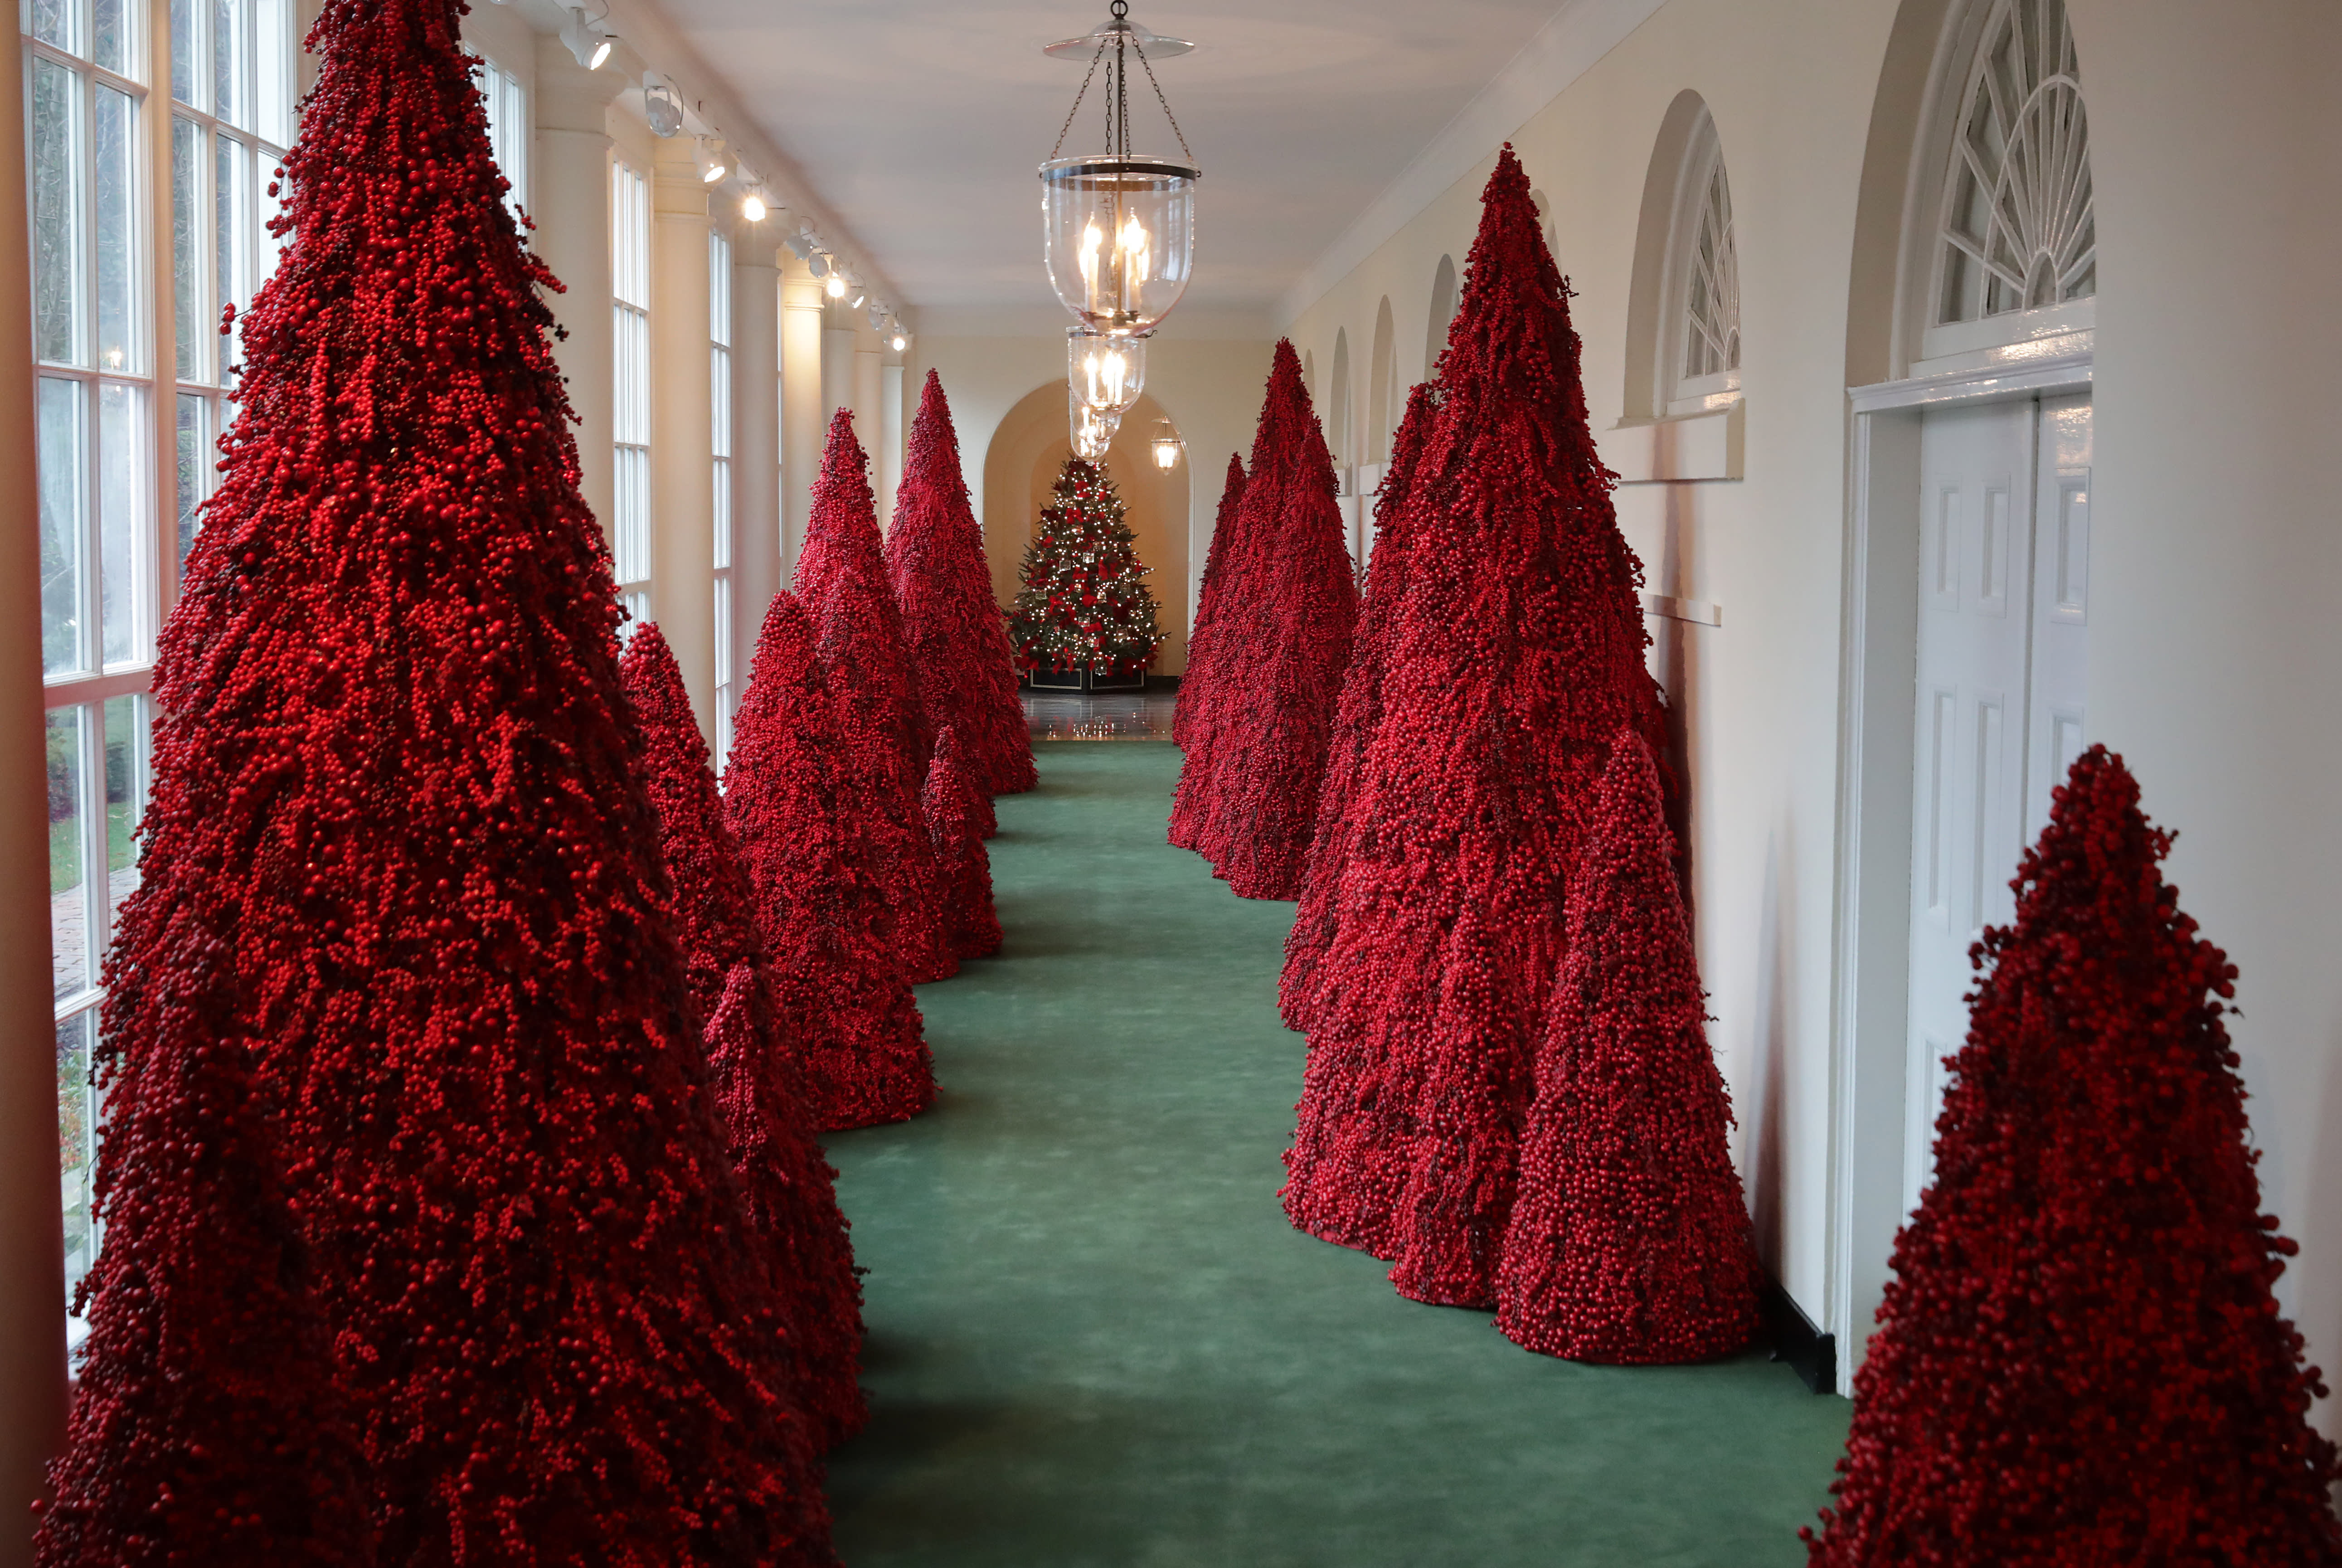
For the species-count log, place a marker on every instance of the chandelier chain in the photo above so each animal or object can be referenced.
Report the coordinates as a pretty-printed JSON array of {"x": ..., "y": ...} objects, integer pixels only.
[
  {"x": 1164, "y": 102},
  {"x": 1076, "y": 109}
]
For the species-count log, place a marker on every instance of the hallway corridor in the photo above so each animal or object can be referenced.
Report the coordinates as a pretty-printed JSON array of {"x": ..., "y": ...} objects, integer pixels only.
[{"x": 1095, "y": 1342}]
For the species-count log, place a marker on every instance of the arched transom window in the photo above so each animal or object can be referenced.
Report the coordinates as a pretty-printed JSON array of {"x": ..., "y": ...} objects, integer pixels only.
[
  {"x": 1699, "y": 360},
  {"x": 2018, "y": 229}
]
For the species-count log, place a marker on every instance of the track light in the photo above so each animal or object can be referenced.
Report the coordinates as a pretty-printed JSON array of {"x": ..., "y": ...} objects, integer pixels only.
[
  {"x": 751, "y": 205},
  {"x": 710, "y": 157},
  {"x": 898, "y": 340},
  {"x": 835, "y": 286},
  {"x": 858, "y": 299},
  {"x": 661, "y": 107},
  {"x": 587, "y": 38}
]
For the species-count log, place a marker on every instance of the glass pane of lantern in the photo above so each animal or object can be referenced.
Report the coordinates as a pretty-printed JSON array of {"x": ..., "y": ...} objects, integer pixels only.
[
  {"x": 1106, "y": 373},
  {"x": 1120, "y": 236},
  {"x": 1092, "y": 432}
]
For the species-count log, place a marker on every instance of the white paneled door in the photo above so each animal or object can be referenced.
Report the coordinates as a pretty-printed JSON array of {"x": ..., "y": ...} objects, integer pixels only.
[{"x": 2004, "y": 630}]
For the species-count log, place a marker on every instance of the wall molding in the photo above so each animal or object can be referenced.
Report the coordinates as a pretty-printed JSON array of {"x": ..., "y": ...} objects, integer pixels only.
[{"x": 1580, "y": 32}]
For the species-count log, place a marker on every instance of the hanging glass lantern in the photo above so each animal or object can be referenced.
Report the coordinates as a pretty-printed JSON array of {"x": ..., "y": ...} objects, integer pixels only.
[
  {"x": 1119, "y": 228},
  {"x": 1092, "y": 432},
  {"x": 1167, "y": 445},
  {"x": 1106, "y": 373}
]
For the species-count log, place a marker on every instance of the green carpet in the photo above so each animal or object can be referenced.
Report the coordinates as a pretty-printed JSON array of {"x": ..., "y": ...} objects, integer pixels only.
[{"x": 1094, "y": 1340}]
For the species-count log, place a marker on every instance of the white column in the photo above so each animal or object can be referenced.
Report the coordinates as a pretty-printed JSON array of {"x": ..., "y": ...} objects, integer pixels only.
[
  {"x": 683, "y": 478},
  {"x": 869, "y": 420},
  {"x": 803, "y": 411},
  {"x": 572, "y": 209},
  {"x": 32, "y": 1224},
  {"x": 756, "y": 438},
  {"x": 890, "y": 440},
  {"x": 836, "y": 373}
]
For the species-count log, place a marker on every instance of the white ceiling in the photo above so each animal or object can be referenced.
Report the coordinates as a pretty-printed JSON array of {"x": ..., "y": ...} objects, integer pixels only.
[{"x": 919, "y": 123}]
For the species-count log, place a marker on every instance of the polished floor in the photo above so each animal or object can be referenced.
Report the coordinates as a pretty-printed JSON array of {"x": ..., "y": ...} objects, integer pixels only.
[
  {"x": 1100, "y": 715},
  {"x": 1095, "y": 1342}
]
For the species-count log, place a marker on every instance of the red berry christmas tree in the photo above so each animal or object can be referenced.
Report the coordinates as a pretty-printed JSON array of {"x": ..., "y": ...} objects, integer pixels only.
[
  {"x": 1356, "y": 715},
  {"x": 2080, "y": 1358},
  {"x": 1084, "y": 603},
  {"x": 844, "y": 1003},
  {"x": 1192, "y": 684},
  {"x": 1630, "y": 1239},
  {"x": 1263, "y": 754},
  {"x": 398, "y": 848},
  {"x": 949, "y": 801},
  {"x": 789, "y": 1187},
  {"x": 958, "y": 646},
  {"x": 205, "y": 1427},
  {"x": 883, "y": 748},
  {"x": 1517, "y": 658}
]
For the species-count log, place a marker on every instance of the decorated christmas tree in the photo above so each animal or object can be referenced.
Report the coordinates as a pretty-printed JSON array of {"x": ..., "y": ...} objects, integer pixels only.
[
  {"x": 2080, "y": 1358},
  {"x": 949, "y": 802},
  {"x": 789, "y": 1187},
  {"x": 959, "y": 646},
  {"x": 205, "y": 1427},
  {"x": 1515, "y": 657},
  {"x": 1286, "y": 644},
  {"x": 1084, "y": 603},
  {"x": 398, "y": 851},
  {"x": 841, "y": 580},
  {"x": 1194, "y": 683},
  {"x": 845, "y": 1006},
  {"x": 1630, "y": 1239},
  {"x": 1355, "y": 718}
]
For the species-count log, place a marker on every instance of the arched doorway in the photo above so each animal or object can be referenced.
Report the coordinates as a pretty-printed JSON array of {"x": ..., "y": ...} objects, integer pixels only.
[{"x": 1030, "y": 447}]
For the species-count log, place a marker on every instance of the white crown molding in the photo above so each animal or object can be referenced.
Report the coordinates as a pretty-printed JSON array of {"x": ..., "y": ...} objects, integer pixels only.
[{"x": 1563, "y": 50}]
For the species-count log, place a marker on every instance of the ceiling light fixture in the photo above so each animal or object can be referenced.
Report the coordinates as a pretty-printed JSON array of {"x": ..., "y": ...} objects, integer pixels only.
[
  {"x": 835, "y": 286},
  {"x": 1119, "y": 228},
  {"x": 752, "y": 207},
  {"x": 898, "y": 340},
  {"x": 589, "y": 38},
  {"x": 1106, "y": 373},
  {"x": 708, "y": 156},
  {"x": 661, "y": 107},
  {"x": 1167, "y": 445}
]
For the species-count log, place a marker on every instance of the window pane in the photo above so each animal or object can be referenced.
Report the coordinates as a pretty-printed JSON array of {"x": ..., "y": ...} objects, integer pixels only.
[
  {"x": 64, "y": 472},
  {"x": 232, "y": 237},
  {"x": 194, "y": 470},
  {"x": 53, "y": 22},
  {"x": 115, "y": 35},
  {"x": 187, "y": 293},
  {"x": 77, "y": 1142},
  {"x": 229, "y": 96},
  {"x": 272, "y": 77},
  {"x": 125, "y": 800},
  {"x": 114, "y": 195},
  {"x": 68, "y": 913},
  {"x": 121, "y": 577},
  {"x": 184, "y": 74},
  {"x": 57, "y": 214}
]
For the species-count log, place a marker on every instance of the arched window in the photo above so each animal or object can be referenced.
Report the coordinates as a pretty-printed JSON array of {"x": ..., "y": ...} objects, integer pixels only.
[
  {"x": 2016, "y": 252},
  {"x": 1443, "y": 311},
  {"x": 1337, "y": 402},
  {"x": 1382, "y": 387},
  {"x": 1309, "y": 375},
  {"x": 1700, "y": 342}
]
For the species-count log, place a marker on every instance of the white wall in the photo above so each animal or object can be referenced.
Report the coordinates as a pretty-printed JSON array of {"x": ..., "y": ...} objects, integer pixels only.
[{"x": 2213, "y": 655}]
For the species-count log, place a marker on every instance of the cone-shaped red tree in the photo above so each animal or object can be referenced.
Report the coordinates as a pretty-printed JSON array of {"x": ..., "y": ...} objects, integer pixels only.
[
  {"x": 949, "y": 802},
  {"x": 1629, "y": 1239},
  {"x": 1265, "y": 750},
  {"x": 1518, "y": 655},
  {"x": 845, "y": 1006},
  {"x": 206, "y": 1427},
  {"x": 1356, "y": 717},
  {"x": 882, "y": 745},
  {"x": 958, "y": 643},
  {"x": 790, "y": 1189},
  {"x": 2080, "y": 1358},
  {"x": 399, "y": 846},
  {"x": 1192, "y": 686}
]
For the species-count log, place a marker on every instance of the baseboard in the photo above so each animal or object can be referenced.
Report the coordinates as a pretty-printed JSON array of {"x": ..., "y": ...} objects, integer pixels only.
[{"x": 1809, "y": 1352}]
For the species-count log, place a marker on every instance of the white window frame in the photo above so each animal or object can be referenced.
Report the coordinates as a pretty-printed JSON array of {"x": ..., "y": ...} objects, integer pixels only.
[
  {"x": 507, "y": 100},
  {"x": 1702, "y": 196},
  {"x": 1949, "y": 338},
  {"x": 101, "y": 697},
  {"x": 630, "y": 388},
  {"x": 719, "y": 425}
]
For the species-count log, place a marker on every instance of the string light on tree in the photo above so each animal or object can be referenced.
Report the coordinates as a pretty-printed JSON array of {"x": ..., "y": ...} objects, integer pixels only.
[{"x": 1085, "y": 603}]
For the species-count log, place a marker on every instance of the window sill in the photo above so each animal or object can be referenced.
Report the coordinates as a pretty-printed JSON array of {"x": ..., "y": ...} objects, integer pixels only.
[{"x": 1680, "y": 449}]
